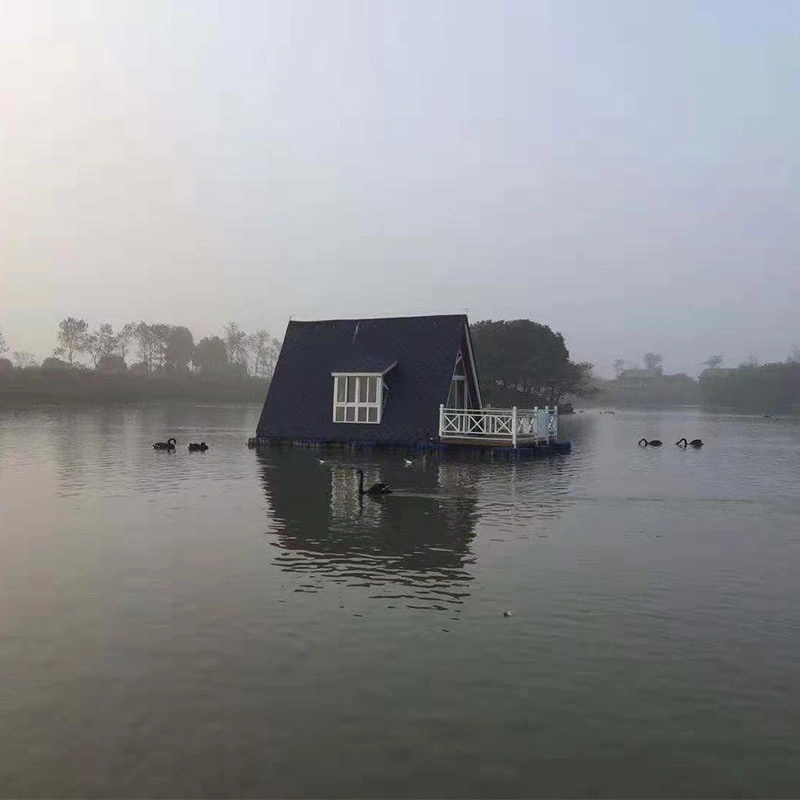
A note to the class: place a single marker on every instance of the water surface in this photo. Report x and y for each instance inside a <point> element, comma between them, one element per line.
<point>242,624</point>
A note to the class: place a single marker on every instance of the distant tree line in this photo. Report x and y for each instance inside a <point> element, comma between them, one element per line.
<point>154,349</point>
<point>525,363</point>
<point>755,387</point>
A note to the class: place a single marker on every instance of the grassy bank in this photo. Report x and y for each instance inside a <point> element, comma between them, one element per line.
<point>74,386</point>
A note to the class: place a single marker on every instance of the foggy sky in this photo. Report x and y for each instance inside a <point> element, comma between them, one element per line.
<point>626,172</point>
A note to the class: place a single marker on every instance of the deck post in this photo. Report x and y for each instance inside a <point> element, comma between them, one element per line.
<point>441,418</point>
<point>514,426</point>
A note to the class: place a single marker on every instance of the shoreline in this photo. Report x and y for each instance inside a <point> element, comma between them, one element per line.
<point>92,387</point>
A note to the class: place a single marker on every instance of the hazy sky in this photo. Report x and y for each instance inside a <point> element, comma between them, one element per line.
<point>626,172</point>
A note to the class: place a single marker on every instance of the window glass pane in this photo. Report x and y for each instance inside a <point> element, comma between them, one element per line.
<point>459,387</point>
<point>351,390</point>
<point>362,413</point>
<point>340,387</point>
<point>372,414</point>
<point>362,390</point>
<point>350,415</point>
<point>373,390</point>
<point>339,414</point>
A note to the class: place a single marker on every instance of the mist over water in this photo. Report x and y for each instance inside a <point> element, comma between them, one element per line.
<point>242,623</point>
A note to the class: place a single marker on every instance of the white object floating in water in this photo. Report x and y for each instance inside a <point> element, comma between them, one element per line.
<point>508,613</point>
<point>321,461</point>
<point>408,462</point>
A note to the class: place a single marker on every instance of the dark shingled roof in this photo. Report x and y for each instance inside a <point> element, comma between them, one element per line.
<point>299,403</point>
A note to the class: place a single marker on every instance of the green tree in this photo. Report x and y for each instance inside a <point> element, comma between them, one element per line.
<point>522,362</point>
<point>153,340</point>
<point>210,355</point>
<point>73,337</point>
<point>53,364</point>
<point>111,363</point>
<point>180,348</point>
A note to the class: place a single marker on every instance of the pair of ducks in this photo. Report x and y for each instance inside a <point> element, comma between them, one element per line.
<point>696,443</point>
<point>172,442</point>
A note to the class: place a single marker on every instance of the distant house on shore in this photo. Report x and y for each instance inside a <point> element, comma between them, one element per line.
<point>378,381</point>
<point>639,381</point>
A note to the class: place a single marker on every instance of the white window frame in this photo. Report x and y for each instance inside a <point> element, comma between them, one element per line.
<point>381,392</point>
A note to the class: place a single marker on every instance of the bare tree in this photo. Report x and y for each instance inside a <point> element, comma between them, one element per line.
<point>144,337</point>
<point>652,360</point>
<point>3,345</point>
<point>794,356</point>
<point>101,343</point>
<point>714,362</point>
<point>72,337</point>
<point>160,343</point>
<point>125,335</point>
<point>259,345</point>
<point>619,366</point>
<point>236,344</point>
<point>23,359</point>
<point>272,357</point>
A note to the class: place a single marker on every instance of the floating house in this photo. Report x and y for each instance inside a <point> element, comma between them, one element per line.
<point>403,381</point>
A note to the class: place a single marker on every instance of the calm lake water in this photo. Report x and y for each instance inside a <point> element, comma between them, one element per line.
<point>237,624</point>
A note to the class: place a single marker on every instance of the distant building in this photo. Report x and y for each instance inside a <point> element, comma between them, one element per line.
<point>639,381</point>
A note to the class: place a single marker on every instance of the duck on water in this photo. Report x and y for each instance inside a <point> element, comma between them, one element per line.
<point>376,488</point>
<point>652,443</point>
<point>168,445</point>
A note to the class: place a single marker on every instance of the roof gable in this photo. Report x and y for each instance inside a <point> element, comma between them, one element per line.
<point>299,402</point>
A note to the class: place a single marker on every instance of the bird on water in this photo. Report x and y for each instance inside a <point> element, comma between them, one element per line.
<point>408,462</point>
<point>696,443</point>
<point>168,445</point>
<point>376,488</point>
<point>194,447</point>
<point>652,443</point>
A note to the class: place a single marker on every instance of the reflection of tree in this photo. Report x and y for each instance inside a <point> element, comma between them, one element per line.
<point>413,545</point>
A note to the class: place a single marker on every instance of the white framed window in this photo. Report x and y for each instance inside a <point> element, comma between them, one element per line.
<point>358,398</point>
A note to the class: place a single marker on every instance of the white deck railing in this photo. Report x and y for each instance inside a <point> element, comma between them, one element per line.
<point>530,424</point>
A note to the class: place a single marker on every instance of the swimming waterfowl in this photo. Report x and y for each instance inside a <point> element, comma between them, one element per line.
<point>168,445</point>
<point>194,447</point>
<point>376,488</point>
<point>652,443</point>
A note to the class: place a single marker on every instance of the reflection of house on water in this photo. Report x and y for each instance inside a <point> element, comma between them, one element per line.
<point>411,548</point>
